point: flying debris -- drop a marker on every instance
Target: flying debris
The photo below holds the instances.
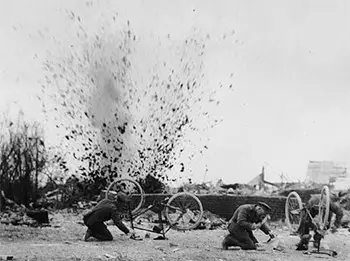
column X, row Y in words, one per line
column 114, row 118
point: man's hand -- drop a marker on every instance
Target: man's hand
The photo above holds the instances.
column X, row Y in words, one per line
column 256, row 226
column 272, row 236
column 130, row 233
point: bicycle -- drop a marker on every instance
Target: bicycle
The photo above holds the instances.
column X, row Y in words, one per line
column 294, row 208
column 182, row 211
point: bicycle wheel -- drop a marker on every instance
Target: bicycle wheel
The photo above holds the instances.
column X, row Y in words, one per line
column 293, row 209
column 129, row 187
column 323, row 208
column 184, row 211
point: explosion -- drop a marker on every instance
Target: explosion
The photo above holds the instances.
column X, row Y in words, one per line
column 121, row 115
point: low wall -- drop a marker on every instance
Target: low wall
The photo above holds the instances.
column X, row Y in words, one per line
column 305, row 194
column 225, row 205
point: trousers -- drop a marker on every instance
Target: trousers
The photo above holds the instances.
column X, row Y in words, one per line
column 99, row 230
column 239, row 236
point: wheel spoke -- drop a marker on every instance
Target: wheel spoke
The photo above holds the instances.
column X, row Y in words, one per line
column 191, row 205
column 178, row 203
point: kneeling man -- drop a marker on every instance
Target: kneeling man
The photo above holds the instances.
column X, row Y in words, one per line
column 244, row 221
column 105, row 210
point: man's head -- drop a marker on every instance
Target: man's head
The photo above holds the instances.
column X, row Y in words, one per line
column 264, row 206
column 338, row 196
column 342, row 194
column 262, row 209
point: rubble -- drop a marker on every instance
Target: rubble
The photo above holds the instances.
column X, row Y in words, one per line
column 17, row 219
column 211, row 221
column 16, row 215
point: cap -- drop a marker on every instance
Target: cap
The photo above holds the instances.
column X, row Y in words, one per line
column 264, row 205
column 122, row 197
column 341, row 194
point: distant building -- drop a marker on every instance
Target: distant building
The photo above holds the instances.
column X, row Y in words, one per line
column 326, row 172
column 259, row 182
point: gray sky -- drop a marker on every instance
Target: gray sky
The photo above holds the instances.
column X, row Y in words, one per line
column 290, row 59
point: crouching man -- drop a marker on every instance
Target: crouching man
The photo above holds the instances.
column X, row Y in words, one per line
column 105, row 210
column 244, row 221
column 309, row 213
column 306, row 226
column 335, row 208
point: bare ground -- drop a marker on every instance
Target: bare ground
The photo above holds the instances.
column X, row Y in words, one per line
column 63, row 241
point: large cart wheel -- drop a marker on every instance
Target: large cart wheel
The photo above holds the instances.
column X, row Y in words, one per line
column 184, row 211
column 129, row 187
column 293, row 209
column 323, row 208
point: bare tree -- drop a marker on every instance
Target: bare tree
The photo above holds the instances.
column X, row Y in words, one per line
column 23, row 156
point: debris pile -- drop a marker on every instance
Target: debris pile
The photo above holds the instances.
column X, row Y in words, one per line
column 148, row 219
column 19, row 215
column 211, row 221
column 17, row 219
column 59, row 199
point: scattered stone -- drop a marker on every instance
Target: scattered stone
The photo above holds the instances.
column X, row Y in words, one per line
column 110, row 256
column 160, row 248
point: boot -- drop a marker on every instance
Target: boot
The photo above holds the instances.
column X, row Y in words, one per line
column 224, row 244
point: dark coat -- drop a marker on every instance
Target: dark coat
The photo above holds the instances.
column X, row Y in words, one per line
column 312, row 205
column 105, row 210
column 245, row 216
column 334, row 208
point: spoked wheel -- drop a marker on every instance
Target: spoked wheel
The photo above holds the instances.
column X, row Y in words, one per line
column 293, row 211
column 323, row 208
column 129, row 187
column 184, row 211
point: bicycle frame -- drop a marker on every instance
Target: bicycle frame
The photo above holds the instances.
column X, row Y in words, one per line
column 320, row 226
column 190, row 213
column 163, row 230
